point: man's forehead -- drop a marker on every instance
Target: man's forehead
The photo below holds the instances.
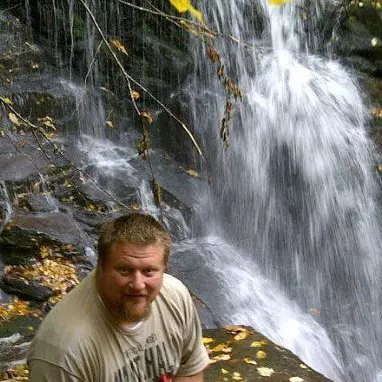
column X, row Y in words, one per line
column 122, row 249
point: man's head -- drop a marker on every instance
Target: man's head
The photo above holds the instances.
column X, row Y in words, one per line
column 133, row 252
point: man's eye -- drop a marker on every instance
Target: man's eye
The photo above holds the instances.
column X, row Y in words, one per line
column 124, row 271
column 149, row 272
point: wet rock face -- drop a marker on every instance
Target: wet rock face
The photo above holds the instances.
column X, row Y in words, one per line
column 359, row 38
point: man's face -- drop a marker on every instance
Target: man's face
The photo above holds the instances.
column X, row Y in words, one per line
column 130, row 278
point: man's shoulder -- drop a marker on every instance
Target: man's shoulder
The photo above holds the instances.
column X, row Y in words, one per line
column 69, row 324
column 175, row 295
column 173, row 286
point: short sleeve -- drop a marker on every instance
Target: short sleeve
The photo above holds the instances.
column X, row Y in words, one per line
column 42, row 371
column 194, row 355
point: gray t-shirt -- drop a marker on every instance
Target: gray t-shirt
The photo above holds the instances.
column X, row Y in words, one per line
column 80, row 341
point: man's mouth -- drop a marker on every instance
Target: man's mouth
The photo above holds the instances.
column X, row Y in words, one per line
column 136, row 296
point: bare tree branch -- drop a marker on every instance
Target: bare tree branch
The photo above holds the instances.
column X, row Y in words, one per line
column 131, row 79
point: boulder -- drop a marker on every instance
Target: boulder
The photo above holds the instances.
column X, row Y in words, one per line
column 253, row 358
column 21, row 238
column 28, row 289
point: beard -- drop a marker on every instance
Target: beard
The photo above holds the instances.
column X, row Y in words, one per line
column 127, row 314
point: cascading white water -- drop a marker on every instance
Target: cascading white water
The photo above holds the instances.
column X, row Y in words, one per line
column 295, row 189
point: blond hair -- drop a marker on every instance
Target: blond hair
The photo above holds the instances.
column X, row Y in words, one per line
column 134, row 228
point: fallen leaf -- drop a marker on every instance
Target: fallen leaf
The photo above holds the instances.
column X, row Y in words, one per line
column 249, row 361
column 296, row 379
column 235, row 328
column 241, row 336
column 261, row 355
column 222, row 348
column 136, row 95
column 222, row 357
column 265, row 371
column 374, row 42
column 207, row 340
column 109, row 124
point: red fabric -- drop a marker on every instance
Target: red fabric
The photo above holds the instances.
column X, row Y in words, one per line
column 165, row 378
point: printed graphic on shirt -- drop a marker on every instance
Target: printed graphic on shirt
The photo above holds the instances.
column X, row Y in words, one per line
column 153, row 363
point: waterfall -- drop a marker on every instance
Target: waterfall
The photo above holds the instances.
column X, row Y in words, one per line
column 289, row 223
column 295, row 191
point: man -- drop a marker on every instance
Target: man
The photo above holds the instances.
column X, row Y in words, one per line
column 127, row 321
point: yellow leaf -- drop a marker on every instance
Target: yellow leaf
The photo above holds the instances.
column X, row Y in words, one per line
column 119, row 46
column 261, row 355
column 44, row 252
column 235, row 328
column 222, row 357
column 221, row 348
column 224, row 371
column 296, row 379
column 256, row 344
column 197, row 14
column 192, row 172
column 184, row 6
column 147, row 115
column 237, row 376
column 374, row 42
column 7, row 101
column 136, row 95
column 241, row 336
column 250, row 361
column 181, row 5
column 207, row 340
column 278, row 2
column 14, row 119
column 109, row 124
column 265, row 371
column 303, row 366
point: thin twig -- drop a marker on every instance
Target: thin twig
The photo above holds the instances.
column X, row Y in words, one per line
column 10, row 8
column 93, row 61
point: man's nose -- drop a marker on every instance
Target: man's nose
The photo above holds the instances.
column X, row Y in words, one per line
column 137, row 281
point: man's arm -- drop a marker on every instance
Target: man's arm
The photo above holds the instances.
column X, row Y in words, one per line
column 192, row 378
